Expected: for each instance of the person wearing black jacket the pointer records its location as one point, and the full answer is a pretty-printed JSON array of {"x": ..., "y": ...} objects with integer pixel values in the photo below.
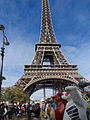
[
  {"x": 37, "y": 111},
  {"x": 29, "y": 112},
  {"x": 2, "y": 112}
]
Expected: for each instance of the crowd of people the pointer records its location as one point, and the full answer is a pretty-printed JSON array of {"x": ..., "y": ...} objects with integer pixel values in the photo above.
[
  {"x": 12, "y": 111},
  {"x": 58, "y": 107}
]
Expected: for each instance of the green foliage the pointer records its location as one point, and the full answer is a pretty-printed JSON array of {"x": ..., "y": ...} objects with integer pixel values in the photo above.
[
  {"x": 14, "y": 95},
  {"x": 88, "y": 106},
  {"x": 88, "y": 111},
  {"x": 20, "y": 96},
  {"x": 7, "y": 94}
]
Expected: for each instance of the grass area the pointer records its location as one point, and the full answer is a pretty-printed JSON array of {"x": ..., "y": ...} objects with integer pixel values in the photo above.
[{"x": 89, "y": 106}]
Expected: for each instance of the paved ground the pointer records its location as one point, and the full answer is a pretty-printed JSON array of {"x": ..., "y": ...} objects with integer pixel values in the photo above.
[
  {"x": 20, "y": 118},
  {"x": 26, "y": 118}
]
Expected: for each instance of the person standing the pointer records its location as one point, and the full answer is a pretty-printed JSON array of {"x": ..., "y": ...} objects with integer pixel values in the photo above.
[
  {"x": 2, "y": 112},
  {"x": 29, "y": 112},
  {"x": 37, "y": 111}
]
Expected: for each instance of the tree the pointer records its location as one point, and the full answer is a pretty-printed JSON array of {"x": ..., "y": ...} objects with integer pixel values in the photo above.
[
  {"x": 14, "y": 94},
  {"x": 10, "y": 93},
  {"x": 20, "y": 96},
  {"x": 7, "y": 94}
]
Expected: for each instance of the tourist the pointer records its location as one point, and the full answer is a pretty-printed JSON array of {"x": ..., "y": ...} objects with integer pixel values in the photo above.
[
  {"x": 37, "y": 111},
  {"x": 29, "y": 111},
  {"x": 2, "y": 112}
]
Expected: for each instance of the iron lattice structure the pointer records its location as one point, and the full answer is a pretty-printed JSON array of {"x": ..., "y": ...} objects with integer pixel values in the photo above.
[{"x": 49, "y": 67}]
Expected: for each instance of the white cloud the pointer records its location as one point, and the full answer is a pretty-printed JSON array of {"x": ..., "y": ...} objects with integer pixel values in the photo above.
[
  {"x": 80, "y": 56},
  {"x": 19, "y": 53},
  {"x": 10, "y": 80}
]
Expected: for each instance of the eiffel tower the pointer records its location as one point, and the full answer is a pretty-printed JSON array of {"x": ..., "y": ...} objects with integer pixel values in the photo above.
[{"x": 49, "y": 67}]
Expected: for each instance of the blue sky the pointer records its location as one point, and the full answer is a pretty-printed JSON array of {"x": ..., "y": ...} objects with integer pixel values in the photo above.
[{"x": 22, "y": 21}]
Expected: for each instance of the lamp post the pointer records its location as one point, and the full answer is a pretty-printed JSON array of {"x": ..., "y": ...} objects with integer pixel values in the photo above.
[{"x": 5, "y": 42}]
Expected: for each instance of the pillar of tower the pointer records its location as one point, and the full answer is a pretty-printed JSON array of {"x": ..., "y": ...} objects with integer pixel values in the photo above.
[{"x": 44, "y": 92}]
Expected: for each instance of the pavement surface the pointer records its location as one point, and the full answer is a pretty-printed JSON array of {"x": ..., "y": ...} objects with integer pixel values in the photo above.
[{"x": 26, "y": 118}]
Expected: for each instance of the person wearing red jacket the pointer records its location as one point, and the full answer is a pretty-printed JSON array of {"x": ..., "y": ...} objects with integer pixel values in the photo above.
[{"x": 60, "y": 107}]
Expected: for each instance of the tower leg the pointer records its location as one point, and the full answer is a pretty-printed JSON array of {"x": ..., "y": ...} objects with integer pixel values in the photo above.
[
  {"x": 60, "y": 87},
  {"x": 44, "y": 92},
  {"x": 53, "y": 91},
  {"x": 53, "y": 88}
]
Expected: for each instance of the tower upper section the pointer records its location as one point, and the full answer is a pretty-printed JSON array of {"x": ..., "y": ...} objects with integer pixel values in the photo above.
[{"x": 47, "y": 34}]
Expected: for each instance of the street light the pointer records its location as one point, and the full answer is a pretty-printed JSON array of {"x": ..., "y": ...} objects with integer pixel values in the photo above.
[{"x": 5, "y": 42}]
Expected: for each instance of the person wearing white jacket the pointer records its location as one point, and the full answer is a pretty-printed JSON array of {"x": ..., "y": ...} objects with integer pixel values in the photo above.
[{"x": 76, "y": 105}]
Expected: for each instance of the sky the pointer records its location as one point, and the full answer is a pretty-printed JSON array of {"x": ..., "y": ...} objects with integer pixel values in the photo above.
[{"x": 22, "y": 21}]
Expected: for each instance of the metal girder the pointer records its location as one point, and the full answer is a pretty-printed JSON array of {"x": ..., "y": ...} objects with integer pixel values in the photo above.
[
  {"x": 49, "y": 67},
  {"x": 50, "y": 84}
]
